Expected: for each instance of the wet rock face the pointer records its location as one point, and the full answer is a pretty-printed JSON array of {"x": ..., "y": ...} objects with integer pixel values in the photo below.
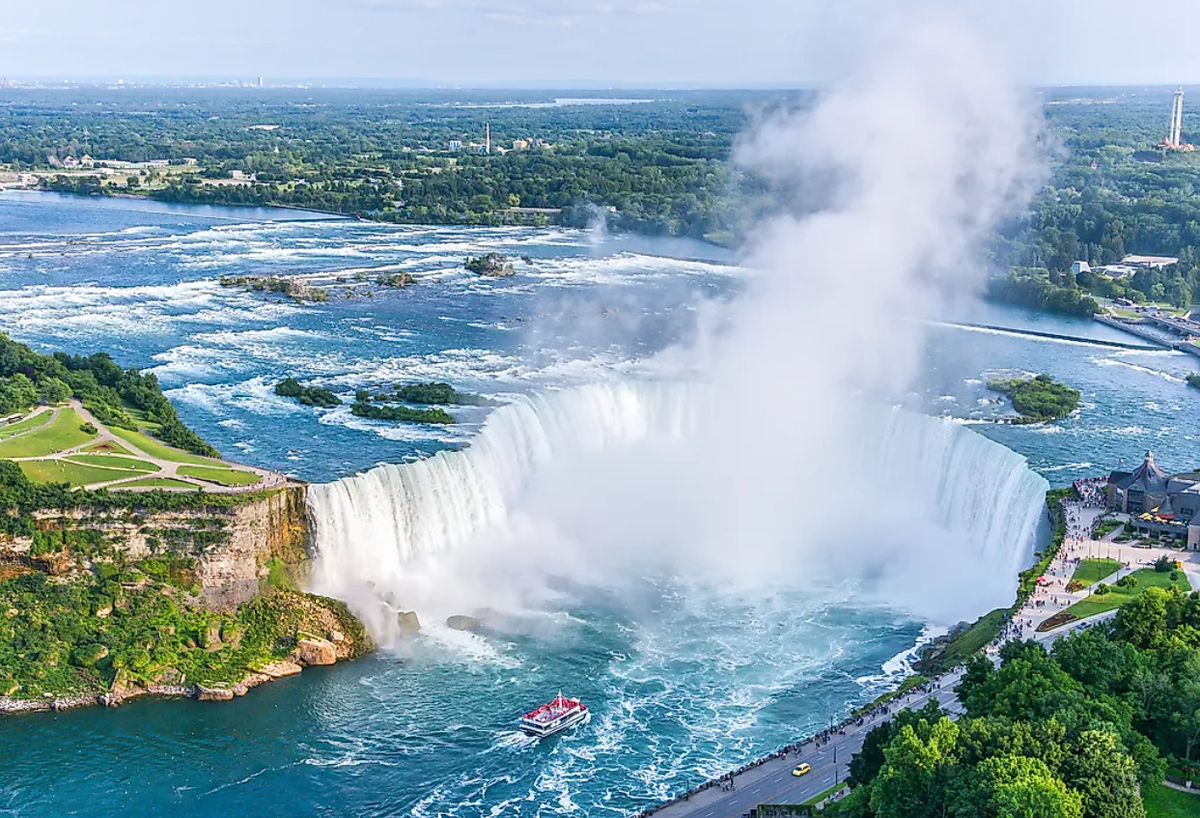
[
  {"x": 408, "y": 622},
  {"x": 315, "y": 651},
  {"x": 463, "y": 623}
]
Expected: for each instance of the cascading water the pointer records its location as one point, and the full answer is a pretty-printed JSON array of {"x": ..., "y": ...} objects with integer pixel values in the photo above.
[{"x": 939, "y": 491}]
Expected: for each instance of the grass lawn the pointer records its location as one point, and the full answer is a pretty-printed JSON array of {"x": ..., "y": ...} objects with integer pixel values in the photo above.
[
  {"x": 61, "y": 433},
  {"x": 1163, "y": 802},
  {"x": 821, "y": 796},
  {"x": 58, "y": 471},
  {"x": 226, "y": 477},
  {"x": 157, "y": 483},
  {"x": 1094, "y": 570},
  {"x": 156, "y": 448},
  {"x": 109, "y": 446},
  {"x": 972, "y": 640},
  {"x": 1144, "y": 578},
  {"x": 114, "y": 462},
  {"x": 24, "y": 425}
]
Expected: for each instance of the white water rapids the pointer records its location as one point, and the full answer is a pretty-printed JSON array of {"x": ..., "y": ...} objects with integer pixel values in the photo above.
[{"x": 929, "y": 515}]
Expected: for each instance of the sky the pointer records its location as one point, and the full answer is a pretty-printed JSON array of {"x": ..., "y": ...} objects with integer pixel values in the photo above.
[{"x": 554, "y": 43}]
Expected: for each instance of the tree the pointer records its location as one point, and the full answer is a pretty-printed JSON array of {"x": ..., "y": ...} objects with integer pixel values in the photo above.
[
  {"x": 1015, "y": 786},
  {"x": 53, "y": 390},
  {"x": 1142, "y": 620},
  {"x": 1104, "y": 775},
  {"x": 913, "y": 780}
]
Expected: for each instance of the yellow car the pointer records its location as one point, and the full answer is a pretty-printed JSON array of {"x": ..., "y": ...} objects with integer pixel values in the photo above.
[{"x": 801, "y": 769}]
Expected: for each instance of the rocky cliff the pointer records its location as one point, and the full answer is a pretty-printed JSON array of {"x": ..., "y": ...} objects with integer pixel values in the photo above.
[{"x": 225, "y": 549}]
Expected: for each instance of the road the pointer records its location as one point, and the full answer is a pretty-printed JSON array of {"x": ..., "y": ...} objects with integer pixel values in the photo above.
[{"x": 772, "y": 782}]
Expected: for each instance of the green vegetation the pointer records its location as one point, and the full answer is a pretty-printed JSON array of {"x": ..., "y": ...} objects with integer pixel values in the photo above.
[
  {"x": 307, "y": 395},
  {"x": 127, "y": 623},
  {"x": 1107, "y": 527},
  {"x": 963, "y": 642},
  {"x": 155, "y": 448},
  {"x": 1163, "y": 802},
  {"x": 492, "y": 265},
  {"x": 160, "y": 483},
  {"x": 292, "y": 287},
  {"x": 63, "y": 432},
  {"x": 24, "y": 425},
  {"x": 225, "y": 477},
  {"x": 822, "y": 795},
  {"x": 425, "y": 393},
  {"x": 402, "y": 413},
  {"x": 1094, "y": 570},
  {"x": 1075, "y": 733},
  {"x": 107, "y": 391},
  {"x": 1135, "y": 584},
  {"x": 73, "y": 474},
  {"x": 108, "y": 447},
  {"x": 114, "y": 462},
  {"x": 1035, "y": 288},
  {"x": 1038, "y": 399}
]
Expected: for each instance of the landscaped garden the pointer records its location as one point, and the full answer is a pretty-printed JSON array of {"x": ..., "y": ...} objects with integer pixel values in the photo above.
[
  {"x": 1111, "y": 597},
  {"x": 1091, "y": 571}
]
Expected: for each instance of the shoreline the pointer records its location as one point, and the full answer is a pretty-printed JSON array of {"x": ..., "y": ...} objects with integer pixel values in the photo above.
[{"x": 120, "y": 693}]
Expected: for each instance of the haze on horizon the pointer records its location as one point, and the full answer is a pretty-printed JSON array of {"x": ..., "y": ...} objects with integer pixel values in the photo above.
[{"x": 557, "y": 43}]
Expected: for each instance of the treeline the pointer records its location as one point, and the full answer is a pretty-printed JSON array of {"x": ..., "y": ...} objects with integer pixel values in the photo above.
[
  {"x": 28, "y": 378},
  {"x": 1084, "y": 731},
  {"x": 1037, "y": 289}
]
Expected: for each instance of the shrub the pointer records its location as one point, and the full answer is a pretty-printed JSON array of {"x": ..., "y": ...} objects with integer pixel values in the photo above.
[
  {"x": 1101, "y": 589},
  {"x": 1164, "y": 564},
  {"x": 88, "y": 428}
]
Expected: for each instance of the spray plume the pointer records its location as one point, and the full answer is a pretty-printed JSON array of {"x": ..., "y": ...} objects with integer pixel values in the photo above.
[{"x": 783, "y": 464}]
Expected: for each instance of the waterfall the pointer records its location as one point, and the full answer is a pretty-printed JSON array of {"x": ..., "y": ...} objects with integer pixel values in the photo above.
[{"x": 979, "y": 496}]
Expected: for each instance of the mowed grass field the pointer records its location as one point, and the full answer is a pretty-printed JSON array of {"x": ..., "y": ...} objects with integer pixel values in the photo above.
[
  {"x": 1143, "y": 578},
  {"x": 1163, "y": 802},
  {"x": 114, "y": 462},
  {"x": 226, "y": 477},
  {"x": 1093, "y": 570},
  {"x": 156, "y": 448},
  {"x": 61, "y": 433},
  {"x": 60, "y": 471},
  {"x": 159, "y": 483},
  {"x": 28, "y": 423}
]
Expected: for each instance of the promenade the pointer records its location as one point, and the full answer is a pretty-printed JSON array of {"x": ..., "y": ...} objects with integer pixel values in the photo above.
[{"x": 770, "y": 780}]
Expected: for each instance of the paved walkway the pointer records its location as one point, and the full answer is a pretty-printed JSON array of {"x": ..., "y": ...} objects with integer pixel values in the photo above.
[
  {"x": 772, "y": 782},
  {"x": 168, "y": 469}
]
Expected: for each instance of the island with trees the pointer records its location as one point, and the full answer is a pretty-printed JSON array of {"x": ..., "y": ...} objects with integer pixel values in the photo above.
[
  {"x": 307, "y": 395},
  {"x": 491, "y": 265},
  {"x": 1039, "y": 399}
]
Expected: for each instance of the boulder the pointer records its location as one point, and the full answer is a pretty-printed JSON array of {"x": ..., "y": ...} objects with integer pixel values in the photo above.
[
  {"x": 337, "y": 636},
  {"x": 277, "y": 670},
  {"x": 316, "y": 651},
  {"x": 463, "y": 623},
  {"x": 408, "y": 622},
  {"x": 213, "y": 694}
]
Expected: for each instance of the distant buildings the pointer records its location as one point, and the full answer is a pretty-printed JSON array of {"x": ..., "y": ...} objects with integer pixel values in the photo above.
[
  {"x": 1158, "y": 503},
  {"x": 1127, "y": 267}
]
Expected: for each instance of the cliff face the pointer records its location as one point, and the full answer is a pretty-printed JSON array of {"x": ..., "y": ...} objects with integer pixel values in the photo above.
[{"x": 224, "y": 551}]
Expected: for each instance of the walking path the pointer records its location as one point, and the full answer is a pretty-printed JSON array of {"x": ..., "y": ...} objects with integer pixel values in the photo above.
[
  {"x": 770, "y": 780},
  {"x": 167, "y": 469}
]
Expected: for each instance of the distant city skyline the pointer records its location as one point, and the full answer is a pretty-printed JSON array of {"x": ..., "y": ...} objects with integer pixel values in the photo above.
[{"x": 571, "y": 43}]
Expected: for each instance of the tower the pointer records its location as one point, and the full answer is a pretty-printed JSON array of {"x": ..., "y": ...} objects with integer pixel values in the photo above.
[
  {"x": 487, "y": 139},
  {"x": 1177, "y": 119}
]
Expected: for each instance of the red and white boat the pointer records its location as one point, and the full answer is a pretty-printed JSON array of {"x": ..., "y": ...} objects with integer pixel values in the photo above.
[{"x": 554, "y": 717}]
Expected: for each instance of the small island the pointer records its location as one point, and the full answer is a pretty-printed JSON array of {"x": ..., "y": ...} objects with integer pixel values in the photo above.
[
  {"x": 307, "y": 395},
  {"x": 294, "y": 288},
  {"x": 1193, "y": 379},
  {"x": 435, "y": 393},
  {"x": 1039, "y": 399},
  {"x": 363, "y": 408},
  {"x": 492, "y": 265}
]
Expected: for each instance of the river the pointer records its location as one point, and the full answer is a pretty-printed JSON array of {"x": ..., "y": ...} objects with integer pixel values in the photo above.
[{"x": 685, "y": 677}]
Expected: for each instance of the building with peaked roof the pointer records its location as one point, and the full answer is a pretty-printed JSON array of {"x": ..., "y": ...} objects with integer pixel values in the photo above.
[{"x": 1158, "y": 503}]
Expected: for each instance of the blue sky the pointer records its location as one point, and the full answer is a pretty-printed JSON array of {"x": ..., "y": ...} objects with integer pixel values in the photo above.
[{"x": 622, "y": 42}]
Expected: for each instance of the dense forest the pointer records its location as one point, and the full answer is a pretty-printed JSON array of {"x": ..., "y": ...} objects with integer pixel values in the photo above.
[
  {"x": 1085, "y": 731},
  {"x": 658, "y": 166}
]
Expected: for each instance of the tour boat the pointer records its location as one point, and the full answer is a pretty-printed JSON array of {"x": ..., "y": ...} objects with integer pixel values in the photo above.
[{"x": 554, "y": 717}]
